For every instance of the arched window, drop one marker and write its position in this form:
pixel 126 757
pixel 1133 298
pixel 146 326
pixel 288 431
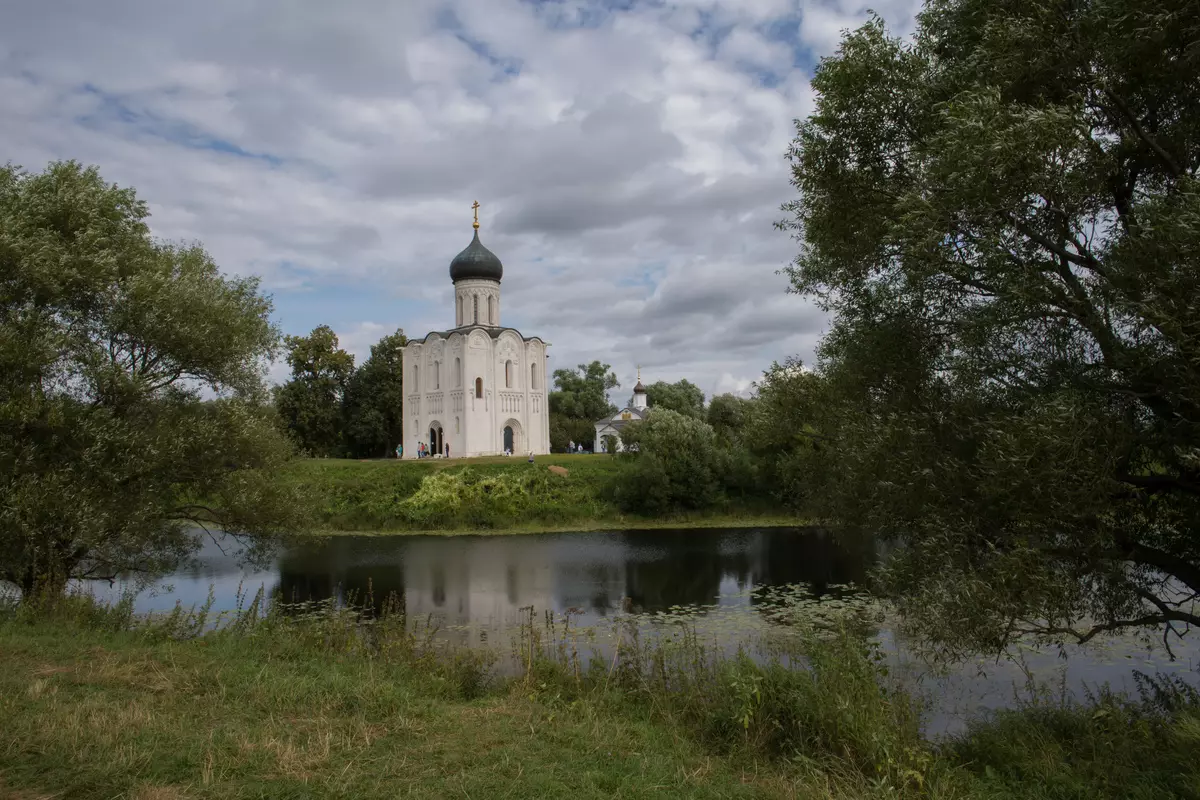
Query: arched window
pixel 457 373
pixel 508 374
pixel 491 310
pixel 479 388
pixel 475 312
pixel 437 375
pixel 533 376
pixel 416 377
pixel 456 424
pixel 459 319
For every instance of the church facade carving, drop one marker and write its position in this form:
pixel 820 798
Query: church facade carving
pixel 478 388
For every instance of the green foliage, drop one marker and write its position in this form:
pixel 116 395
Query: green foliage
pixel 728 415
pixel 374 401
pixel 565 430
pixel 410 495
pixel 394 496
pixel 297 700
pixel 310 403
pixel 582 393
pixel 779 431
pixel 579 399
pixel 677 466
pixel 468 498
pixel 683 397
pixel 107 340
pixel 1110 746
pixel 1003 217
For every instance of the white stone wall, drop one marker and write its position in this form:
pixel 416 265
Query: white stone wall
pixel 442 392
pixel 477 294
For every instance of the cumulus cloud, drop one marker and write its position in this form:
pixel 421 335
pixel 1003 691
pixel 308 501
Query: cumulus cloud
pixel 629 157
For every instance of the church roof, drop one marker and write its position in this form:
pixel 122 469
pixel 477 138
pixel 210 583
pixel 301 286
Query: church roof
pixel 476 262
pixel 490 330
pixel 619 420
pixel 639 389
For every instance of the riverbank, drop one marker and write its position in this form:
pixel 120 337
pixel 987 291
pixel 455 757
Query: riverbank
pixel 493 495
pixel 617 522
pixel 310 707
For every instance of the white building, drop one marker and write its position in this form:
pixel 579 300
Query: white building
pixel 637 409
pixel 479 387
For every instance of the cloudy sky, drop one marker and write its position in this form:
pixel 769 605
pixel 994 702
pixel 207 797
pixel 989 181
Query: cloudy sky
pixel 628 156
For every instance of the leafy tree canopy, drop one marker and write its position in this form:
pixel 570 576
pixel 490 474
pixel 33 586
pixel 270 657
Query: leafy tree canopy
pixel 374 400
pixel 678 464
pixel 310 403
pixel 108 339
pixel 728 415
pixel 683 396
pixel 582 393
pixel 1003 216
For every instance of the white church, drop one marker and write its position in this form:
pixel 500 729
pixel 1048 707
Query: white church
pixel 478 388
pixel 637 409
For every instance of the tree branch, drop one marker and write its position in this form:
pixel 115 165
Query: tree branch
pixel 1084 259
pixel 1175 567
pixel 1085 636
pixel 1150 141
pixel 1160 483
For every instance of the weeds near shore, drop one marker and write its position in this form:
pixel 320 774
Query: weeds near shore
pixel 819 717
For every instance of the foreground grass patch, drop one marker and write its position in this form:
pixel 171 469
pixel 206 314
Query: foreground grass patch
pixel 97 704
pixel 111 715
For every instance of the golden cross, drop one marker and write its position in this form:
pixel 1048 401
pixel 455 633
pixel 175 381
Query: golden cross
pixel 639 373
pixel 475 207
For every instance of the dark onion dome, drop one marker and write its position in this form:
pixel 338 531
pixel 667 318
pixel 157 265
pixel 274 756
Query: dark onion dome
pixel 476 262
pixel 639 389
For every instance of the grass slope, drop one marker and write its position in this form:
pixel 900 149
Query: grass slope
pixel 489 493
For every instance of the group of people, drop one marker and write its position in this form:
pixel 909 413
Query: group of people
pixel 423 451
pixel 572 447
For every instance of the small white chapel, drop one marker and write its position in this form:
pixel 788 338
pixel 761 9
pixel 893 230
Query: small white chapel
pixel 478 388
pixel 636 409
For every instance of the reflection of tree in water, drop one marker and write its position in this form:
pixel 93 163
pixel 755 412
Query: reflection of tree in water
pixel 314 575
pixel 666 568
pixel 821 561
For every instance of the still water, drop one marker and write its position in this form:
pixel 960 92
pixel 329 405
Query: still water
pixel 725 581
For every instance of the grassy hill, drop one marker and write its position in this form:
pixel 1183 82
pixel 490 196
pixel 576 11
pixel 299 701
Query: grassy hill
pixel 487 493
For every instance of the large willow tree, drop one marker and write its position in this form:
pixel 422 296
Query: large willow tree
pixel 132 403
pixel 1002 215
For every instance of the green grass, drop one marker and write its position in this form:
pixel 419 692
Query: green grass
pixel 97 705
pixel 492 493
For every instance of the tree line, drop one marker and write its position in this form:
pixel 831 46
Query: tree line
pixel 332 408
pixel 329 407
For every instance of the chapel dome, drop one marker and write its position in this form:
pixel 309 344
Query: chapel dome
pixel 476 262
pixel 639 389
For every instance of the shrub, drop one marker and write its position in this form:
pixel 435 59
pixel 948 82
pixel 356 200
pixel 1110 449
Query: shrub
pixel 678 465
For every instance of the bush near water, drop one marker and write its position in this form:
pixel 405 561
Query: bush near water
pixel 505 493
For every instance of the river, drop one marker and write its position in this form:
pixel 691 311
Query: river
pixel 725 581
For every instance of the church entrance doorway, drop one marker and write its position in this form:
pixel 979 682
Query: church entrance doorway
pixel 514 440
pixel 437 445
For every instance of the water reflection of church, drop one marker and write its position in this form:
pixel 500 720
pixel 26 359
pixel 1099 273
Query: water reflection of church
pixel 483 582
